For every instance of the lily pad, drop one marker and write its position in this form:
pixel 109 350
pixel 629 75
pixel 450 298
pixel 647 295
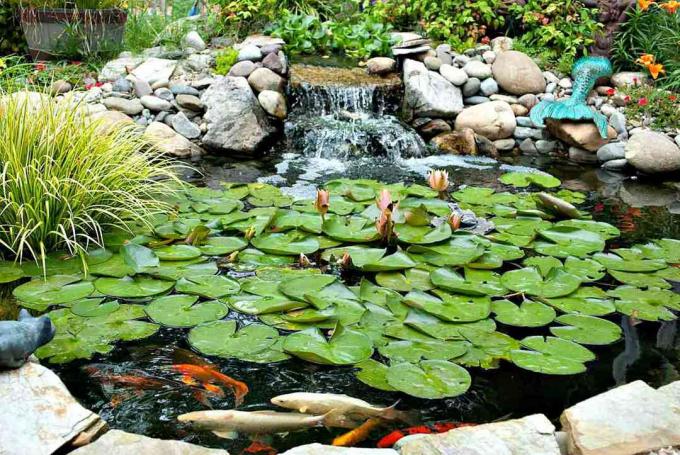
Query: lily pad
pixel 431 379
pixel 289 243
pixel 586 329
pixel 422 235
pixel 10 272
pixel 177 253
pixel 590 301
pixel 298 288
pixel 524 179
pixel 414 278
pixel 552 355
pixel 569 241
pixel 93 307
pixel 183 311
pixel 138 257
pixel 219 246
pixel 414 351
pixel 220 338
pixel 209 286
pixel 475 282
pixel 132 287
pixel 527 314
pixel 450 307
pixel 345 347
pixel 614 262
pixel 354 229
pixel 374 374
pixel 529 281
pixel 55 290
pixel 436 328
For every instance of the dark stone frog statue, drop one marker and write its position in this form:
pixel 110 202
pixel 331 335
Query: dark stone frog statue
pixel 20 338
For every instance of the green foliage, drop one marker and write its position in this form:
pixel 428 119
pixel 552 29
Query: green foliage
pixel 655 32
pixel 77 4
pixel 461 23
pixel 225 60
pixel 17 73
pixel 653 106
pixel 12 38
pixel 555 31
pixel 64 180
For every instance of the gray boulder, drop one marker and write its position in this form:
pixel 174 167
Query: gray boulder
pixel 155 69
pixel 167 141
pixel 266 79
pixel 428 94
pixel 475 68
pixel 652 153
pixel 194 41
pixel 242 69
pixel 274 103
pixel 236 122
pixel 249 52
pixel 612 151
pixel 273 62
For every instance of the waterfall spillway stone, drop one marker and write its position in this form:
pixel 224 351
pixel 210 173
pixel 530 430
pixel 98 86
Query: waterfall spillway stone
pixel 339 113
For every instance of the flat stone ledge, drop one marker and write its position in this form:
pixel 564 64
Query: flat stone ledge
pixel 320 449
pixel 117 442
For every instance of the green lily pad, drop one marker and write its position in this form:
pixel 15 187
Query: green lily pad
pixel 177 253
pixel 436 328
pixel 219 246
pixel 256 304
pixel 640 280
pixel 527 314
pixel 649 305
pixel 544 264
pixel 475 282
pixel 353 229
pixel 586 329
pixel 422 235
pixel 417 279
pixel 10 272
pixel 569 241
pixel 586 269
pixel 450 307
pixel 614 262
pixel 605 230
pixel 183 311
pixel 529 281
pixel 590 301
pixel 115 267
pixel 373 374
pixel 345 347
pixel 258 258
pixel 209 286
pixel 252 342
pixel 174 270
pixel 487 349
pixel 552 355
pixel 131 288
pixel 289 243
pixel 55 290
pixel 298 288
pixel 396 261
pixel 93 307
pixel 291 219
pixel 524 179
pixel 414 351
pixel 431 379
pixel 138 257
pixel 457 251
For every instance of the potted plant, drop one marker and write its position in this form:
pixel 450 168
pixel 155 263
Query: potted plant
pixel 70 28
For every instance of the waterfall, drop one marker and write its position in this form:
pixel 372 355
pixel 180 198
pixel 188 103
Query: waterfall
pixel 343 113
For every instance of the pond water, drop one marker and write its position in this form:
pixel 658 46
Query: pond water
pixel 649 351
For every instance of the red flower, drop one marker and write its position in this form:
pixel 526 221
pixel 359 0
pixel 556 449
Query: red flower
pixel 486 40
pixel 76 63
pixel 643 102
pixel 598 207
pixel 673 98
pixel 611 92
pixel 40 66
pixel 626 98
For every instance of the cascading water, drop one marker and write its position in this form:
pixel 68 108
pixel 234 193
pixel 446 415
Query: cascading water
pixel 343 113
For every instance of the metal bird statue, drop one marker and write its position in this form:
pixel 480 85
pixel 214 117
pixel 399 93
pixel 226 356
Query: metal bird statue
pixel 585 72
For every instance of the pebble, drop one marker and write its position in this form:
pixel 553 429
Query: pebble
pixel 454 75
pixel 444 57
pixel 129 107
pixel 546 147
pixel 529 100
pixel 565 83
pixel 60 87
pixel 461 60
pixel 121 85
pixel 550 78
pixel 160 83
pixel 155 104
pixel 618 122
pixel 615 165
pixel 194 41
pixel 249 52
pixel 142 88
pixel 608 110
pixel 190 102
pixel 181 89
pixel 185 127
pixel 489 87
pixel 525 121
pixel 164 94
pixel 433 63
pixel 504 145
pixel 478 69
pixel 489 57
pixel 471 87
pixel 519 110
pixel 270 49
pixel 474 100
pixel 522 132
pixel 550 88
pixel 242 69
pixel 507 98
pixel 527 146
pixel 611 151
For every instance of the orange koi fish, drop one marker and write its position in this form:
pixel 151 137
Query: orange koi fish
pixel 140 381
pixel 439 427
pixel 210 376
pixel 259 448
pixel 360 433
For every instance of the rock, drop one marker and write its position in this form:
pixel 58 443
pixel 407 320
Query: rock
pixel 155 104
pixel 242 69
pixel 39 415
pixel 651 152
pixel 155 69
pixel 110 120
pixel 529 100
pixel 116 442
pixel 533 435
pixel 164 94
pixel 444 56
pixel 273 103
pixel 612 151
pixel 630 419
pixel 249 52
pixel 628 78
pixel 169 142
pixel 638 195
pixel 489 87
pixel 485 147
pixel 115 69
pixel 583 135
pixel 475 68
pixel 516 73
pixel 129 107
pixel 265 79
pixel 197 63
pixel 615 165
pixel 551 87
pixel 507 98
pixel 489 57
pixel 60 87
pixel 522 132
pixel 565 83
pixel 161 83
pixel 550 77
pixel 454 75
pixel 236 122
pixel 434 127
pixel 141 87
pixel 90 109
pixel 519 110
pixel 181 89
pixel 194 41
pixel 270 49
pixel 460 142
pixel 525 121
pixel 546 147
pixel 608 110
pixel 672 392
pixel 528 147
pixel 474 100
pixel 501 44
pixel 274 63
pixel 191 102
pixel 461 60
pixel 122 85
pixel 319 449
pixel 504 145
pixel 471 87
pixel 259 41
pixel 433 63
pixel 428 94
pixel 618 121
pixel 184 126
pixel 579 155
pixel 381 65
pixel 493 120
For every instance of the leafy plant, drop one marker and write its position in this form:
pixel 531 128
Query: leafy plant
pixel 17 73
pixel 653 31
pixel 64 179
pixel 12 39
pixel 224 60
pixel 653 106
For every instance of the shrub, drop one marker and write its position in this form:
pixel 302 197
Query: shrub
pixel 12 38
pixel 652 31
pixel 64 179
pixel 77 4
pixel 651 106
pixel 225 60
pixel 17 73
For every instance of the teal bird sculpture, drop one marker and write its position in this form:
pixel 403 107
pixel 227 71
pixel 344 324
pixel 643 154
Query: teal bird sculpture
pixel 585 72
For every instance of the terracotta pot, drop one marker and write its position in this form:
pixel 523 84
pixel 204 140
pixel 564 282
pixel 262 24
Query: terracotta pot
pixel 59 32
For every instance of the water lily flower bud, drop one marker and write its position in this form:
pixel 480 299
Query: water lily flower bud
pixel 384 200
pixel 438 180
pixel 454 221
pixel 322 202
pixel 304 261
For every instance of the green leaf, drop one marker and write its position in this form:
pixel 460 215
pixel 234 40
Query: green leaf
pixel 93 307
pixel 640 280
pixel 450 307
pixel 414 351
pixel 586 329
pixel 422 235
pixel 254 342
pixel 138 257
pixel 411 279
pixel 353 229
pixel 527 314
pixel 177 253
pixel 183 311
pixel 431 379
pixel 551 355
pixel 586 300
pixel 219 246
pixel 345 347
pixel 524 179
pixel 476 282
pixel 373 374
pixel 289 243
pixel 614 262
pixel 569 241
pixel 209 286
pixel 436 328
pixel 131 288
pixel 529 281
pixel 55 290
pixel 298 288
pixel 10 272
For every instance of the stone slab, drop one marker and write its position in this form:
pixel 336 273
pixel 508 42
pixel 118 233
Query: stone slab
pixel 533 435
pixel 38 414
pixel 630 419
pixel 320 449
pixel 672 392
pixel 155 69
pixel 117 442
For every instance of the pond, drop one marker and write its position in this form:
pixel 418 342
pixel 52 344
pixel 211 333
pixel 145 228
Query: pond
pixel 641 210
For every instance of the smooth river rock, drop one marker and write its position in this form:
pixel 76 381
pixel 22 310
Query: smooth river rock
pixel 39 415
pixel 129 107
pixel 631 419
pixel 531 435
pixel 428 94
pixel 169 142
pixel 651 152
pixel 117 442
pixel 493 120
pixel 274 103
pixel 155 69
pixel 517 73
pixel 266 79
pixel 236 122
pixel 381 65
pixel 454 75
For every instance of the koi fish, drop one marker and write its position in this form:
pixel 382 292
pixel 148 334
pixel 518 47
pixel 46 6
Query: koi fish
pixel 440 427
pixel 259 448
pixel 226 424
pixel 208 375
pixel 138 380
pixel 359 434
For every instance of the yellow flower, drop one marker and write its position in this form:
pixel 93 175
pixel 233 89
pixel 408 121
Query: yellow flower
pixel 655 69
pixel 646 60
pixel 671 6
pixel 645 4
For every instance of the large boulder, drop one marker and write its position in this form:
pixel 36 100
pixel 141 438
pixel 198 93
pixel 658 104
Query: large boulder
pixel 117 442
pixel 265 79
pixel 582 135
pixel 493 120
pixel 236 122
pixel 428 94
pixel 169 142
pixel 517 73
pixel 652 153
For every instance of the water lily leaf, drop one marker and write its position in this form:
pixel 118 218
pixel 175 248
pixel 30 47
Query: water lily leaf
pixel 605 230
pixel 524 179
pixel 183 311
pixel 640 280
pixel 55 290
pixel 396 261
pixel 569 241
pixel 93 307
pixel 138 257
pixel 309 315
pixel 544 264
pixel 219 246
pixel 586 329
pixel 505 252
pixel 411 279
pixel 422 235
pixel 450 307
pixel 457 251
pixel 115 267
pixel 590 301
pixel 552 355
pixel 671 249
pixel 297 288
pixel 414 351
pixel 345 347
pixel 353 229
pixel 373 374
pixel 130 288
pixel 291 219
pixel 57 263
pixel 528 280
pixel 255 304
pixel 174 270
pixel 65 348
pixel 474 195
pixel 220 338
pixel 431 379
pixel 586 269
pixel 486 349
pixel 10 272
pixel 209 286
pixel 177 252
pixel 377 295
pixel 292 243
pixel 614 262
pixel 521 226
pixel 646 305
pixel 258 258
pixel 475 282
pixel 670 273
pixel 527 314
pixel 437 207
pixel 436 328
pixel 357 190
pixel 360 254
